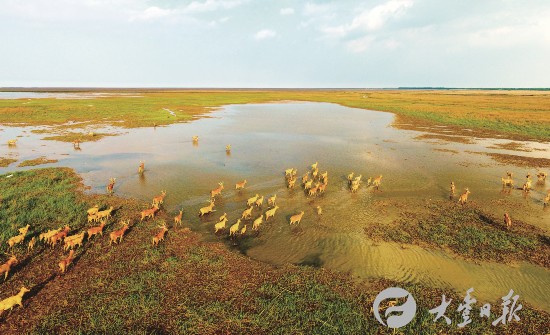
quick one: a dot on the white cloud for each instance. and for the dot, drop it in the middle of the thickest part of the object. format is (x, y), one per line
(211, 5)
(152, 13)
(314, 9)
(287, 11)
(360, 44)
(265, 34)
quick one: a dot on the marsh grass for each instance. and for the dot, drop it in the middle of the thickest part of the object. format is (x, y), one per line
(37, 161)
(5, 162)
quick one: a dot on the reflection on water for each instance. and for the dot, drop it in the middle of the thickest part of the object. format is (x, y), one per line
(265, 140)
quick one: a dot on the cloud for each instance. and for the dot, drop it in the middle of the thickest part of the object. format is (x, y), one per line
(152, 13)
(211, 5)
(287, 11)
(265, 34)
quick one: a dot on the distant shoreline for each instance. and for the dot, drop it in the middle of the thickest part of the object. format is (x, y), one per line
(184, 89)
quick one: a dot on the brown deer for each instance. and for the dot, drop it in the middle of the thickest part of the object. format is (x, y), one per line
(96, 230)
(452, 191)
(64, 264)
(291, 182)
(12, 143)
(47, 235)
(111, 186)
(546, 200)
(159, 199)
(243, 230)
(350, 178)
(541, 177)
(74, 241)
(76, 144)
(93, 210)
(252, 200)
(305, 178)
(295, 219)
(141, 168)
(160, 236)
(177, 218)
(9, 303)
(208, 209)
(217, 191)
(507, 182)
(247, 213)
(319, 210)
(59, 236)
(260, 201)
(377, 181)
(6, 267)
(195, 139)
(314, 166)
(220, 225)
(32, 242)
(240, 185)
(228, 148)
(271, 201)
(256, 224)
(15, 240)
(234, 228)
(116, 236)
(149, 213)
(105, 214)
(464, 197)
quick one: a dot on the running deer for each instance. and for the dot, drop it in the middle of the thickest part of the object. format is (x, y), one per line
(116, 236)
(240, 185)
(220, 225)
(177, 218)
(252, 200)
(464, 197)
(305, 178)
(350, 178)
(96, 230)
(243, 230)
(234, 228)
(141, 168)
(223, 217)
(271, 213)
(308, 184)
(247, 213)
(217, 191)
(319, 210)
(377, 181)
(149, 213)
(507, 220)
(260, 201)
(71, 242)
(160, 236)
(9, 303)
(6, 267)
(295, 219)
(64, 264)
(291, 182)
(256, 224)
(314, 166)
(546, 200)
(207, 209)
(111, 186)
(159, 199)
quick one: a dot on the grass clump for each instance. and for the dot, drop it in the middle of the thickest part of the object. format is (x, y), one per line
(37, 161)
(5, 162)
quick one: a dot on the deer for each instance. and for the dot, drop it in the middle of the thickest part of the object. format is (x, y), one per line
(256, 224)
(313, 190)
(541, 177)
(377, 181)
(92, 218)
(243, 230)
(252, 200)
(295, 219)
(59, 236)
(314, 166)
(207, 209)
(47, 235)
(195, 139)
(111, 186)
(76, 144)
(308, 184)
(223, 217)
(271, 213)
(527, 186)
(9, 303)
(160, 236)
(324, 177)
(220, 225)
(24, 230)
(217, 191)
(546, 200)
(234, 228)
(93, 210)
(507, 182)
(271, 201)
(96, 230)
(74, 241)
(141, 168)
(247, 213)
(314, 173)
(452, 190)
(65, 262)
(305, 178)
(288, 172)
(260, 201)
(354, 187)
(350, 178)
(319, 210)
(149, 213)
(240, 185)
(507, 220)
(116, 236)
(159, 199)
(177, 218)
(509, 174)
(16, 240)
(322, 187)
(32, 242)
(6, 267)
(105, 214)
(464, 197)
(291, 182)
(12, 143)
(228, 148)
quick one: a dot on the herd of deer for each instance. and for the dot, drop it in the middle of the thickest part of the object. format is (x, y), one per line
(313, 183)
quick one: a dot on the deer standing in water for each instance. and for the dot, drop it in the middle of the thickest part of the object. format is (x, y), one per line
(217, 191)
(207, 209)
(141, 168)
(464, 197)
(12, 143)
(240, 185)
(111, 186)
(452, 191)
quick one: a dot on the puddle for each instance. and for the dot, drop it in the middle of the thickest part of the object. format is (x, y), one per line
(266, 139)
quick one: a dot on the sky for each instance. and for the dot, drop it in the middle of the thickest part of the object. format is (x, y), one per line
(272, 44)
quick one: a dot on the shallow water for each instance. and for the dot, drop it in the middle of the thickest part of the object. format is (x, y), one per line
(266, 139)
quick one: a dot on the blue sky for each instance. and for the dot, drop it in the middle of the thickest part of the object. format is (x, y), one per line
(267, 43)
